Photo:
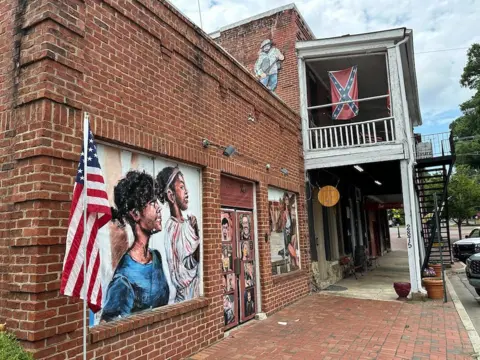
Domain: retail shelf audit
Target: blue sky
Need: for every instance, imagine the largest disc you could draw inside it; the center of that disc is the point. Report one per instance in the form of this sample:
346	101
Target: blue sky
437	25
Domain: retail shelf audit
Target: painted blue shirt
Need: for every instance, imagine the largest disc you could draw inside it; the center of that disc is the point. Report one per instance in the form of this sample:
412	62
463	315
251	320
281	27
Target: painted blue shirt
135	287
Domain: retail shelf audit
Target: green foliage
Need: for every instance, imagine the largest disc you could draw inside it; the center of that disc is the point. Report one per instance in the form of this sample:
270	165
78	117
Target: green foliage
10	349
465	192
398	215
471	72
467	125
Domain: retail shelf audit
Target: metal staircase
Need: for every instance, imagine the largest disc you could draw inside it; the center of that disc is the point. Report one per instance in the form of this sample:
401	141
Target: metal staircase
429	181
435	159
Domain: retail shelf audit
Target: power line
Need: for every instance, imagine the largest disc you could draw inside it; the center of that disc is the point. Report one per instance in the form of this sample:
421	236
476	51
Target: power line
440	50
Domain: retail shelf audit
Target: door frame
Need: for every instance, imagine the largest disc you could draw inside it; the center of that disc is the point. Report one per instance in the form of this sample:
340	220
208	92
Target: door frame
258	288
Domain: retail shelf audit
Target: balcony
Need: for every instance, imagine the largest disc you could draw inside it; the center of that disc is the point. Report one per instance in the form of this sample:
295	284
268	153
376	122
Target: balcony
434	148
356	134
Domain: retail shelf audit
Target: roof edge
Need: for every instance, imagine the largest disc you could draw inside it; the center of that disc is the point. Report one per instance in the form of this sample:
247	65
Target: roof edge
271	12
345	40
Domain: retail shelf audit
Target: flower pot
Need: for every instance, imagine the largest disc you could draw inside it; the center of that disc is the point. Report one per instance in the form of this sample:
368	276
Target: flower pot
434	287
402	289
437	268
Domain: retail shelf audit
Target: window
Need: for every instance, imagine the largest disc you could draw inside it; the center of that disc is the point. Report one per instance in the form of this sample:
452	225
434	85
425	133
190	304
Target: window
475	233
284	239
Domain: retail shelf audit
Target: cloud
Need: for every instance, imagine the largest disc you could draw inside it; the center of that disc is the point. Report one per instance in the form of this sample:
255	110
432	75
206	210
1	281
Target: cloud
436	24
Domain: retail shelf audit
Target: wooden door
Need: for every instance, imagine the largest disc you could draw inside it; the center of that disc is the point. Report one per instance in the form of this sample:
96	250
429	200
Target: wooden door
246	254
231	309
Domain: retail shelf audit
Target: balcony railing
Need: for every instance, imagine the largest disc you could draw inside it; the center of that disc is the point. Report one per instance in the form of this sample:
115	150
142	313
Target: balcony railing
356	134
434	145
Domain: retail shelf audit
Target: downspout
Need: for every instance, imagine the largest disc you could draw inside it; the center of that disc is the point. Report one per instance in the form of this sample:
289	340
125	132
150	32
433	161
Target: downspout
411	155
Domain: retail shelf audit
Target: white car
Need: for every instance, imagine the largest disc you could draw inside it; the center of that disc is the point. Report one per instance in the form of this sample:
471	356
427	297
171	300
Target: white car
465	248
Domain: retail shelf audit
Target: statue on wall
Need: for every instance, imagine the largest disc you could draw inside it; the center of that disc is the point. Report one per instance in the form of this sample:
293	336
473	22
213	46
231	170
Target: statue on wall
268	63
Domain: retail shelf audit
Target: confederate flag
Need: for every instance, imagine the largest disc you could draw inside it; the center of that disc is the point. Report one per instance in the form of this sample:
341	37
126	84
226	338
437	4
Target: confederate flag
344	87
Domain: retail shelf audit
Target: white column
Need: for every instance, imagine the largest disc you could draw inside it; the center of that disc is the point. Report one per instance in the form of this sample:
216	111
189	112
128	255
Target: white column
302	77
408	192
396	104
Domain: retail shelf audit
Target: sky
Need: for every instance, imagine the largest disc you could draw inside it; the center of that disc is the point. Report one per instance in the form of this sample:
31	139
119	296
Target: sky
437	25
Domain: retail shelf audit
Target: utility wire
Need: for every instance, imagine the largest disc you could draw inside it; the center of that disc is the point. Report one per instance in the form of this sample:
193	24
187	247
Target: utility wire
440	50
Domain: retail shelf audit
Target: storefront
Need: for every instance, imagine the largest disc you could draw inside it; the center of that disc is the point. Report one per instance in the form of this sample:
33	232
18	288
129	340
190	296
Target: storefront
209	227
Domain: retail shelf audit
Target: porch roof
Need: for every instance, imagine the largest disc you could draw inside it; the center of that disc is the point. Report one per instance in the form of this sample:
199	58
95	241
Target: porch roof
368	43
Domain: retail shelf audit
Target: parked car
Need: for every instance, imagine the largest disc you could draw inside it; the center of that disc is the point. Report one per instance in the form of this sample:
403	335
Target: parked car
473	271
465	248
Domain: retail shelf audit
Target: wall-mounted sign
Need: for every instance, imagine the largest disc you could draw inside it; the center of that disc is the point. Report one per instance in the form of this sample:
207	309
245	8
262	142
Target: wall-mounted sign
328	196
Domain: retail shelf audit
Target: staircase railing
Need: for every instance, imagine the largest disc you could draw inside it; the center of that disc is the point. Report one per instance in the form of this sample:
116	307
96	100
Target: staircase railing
443	204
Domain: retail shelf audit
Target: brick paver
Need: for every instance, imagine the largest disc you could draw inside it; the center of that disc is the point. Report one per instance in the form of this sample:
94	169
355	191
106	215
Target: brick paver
331	327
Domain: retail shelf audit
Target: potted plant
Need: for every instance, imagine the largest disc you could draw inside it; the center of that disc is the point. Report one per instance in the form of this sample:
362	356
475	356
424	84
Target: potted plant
437	266
433	283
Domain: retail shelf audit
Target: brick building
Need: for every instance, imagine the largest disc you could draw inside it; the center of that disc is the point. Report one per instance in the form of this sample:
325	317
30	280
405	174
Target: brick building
284	26
160	93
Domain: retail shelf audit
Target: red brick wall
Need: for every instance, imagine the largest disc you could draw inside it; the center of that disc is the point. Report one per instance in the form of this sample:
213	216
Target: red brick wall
284	29
152	82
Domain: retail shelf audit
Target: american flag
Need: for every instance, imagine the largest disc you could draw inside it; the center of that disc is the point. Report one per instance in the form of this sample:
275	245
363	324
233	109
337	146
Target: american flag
98	214
343	85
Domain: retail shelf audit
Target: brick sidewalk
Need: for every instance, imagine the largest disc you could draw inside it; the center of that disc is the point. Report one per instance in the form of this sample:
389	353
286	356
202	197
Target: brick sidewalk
331	327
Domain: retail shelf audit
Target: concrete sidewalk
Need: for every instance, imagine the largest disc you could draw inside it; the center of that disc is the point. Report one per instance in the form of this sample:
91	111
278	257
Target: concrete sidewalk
332	327
377	282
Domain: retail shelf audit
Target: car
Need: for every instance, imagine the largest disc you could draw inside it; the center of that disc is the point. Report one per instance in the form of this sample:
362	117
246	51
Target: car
465	248
473	271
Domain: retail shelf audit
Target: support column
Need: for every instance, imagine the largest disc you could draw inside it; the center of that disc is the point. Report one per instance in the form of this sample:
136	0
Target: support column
408	192
352	225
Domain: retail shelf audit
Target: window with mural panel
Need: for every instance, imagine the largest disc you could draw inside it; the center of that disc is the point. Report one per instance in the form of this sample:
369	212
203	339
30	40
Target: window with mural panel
284	238
151	250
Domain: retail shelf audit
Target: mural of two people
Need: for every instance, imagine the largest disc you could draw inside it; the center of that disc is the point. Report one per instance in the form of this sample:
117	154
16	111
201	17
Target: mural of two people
149	270
267	65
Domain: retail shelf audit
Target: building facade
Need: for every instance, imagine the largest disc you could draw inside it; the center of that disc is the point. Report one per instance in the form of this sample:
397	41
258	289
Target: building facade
180	127
367	154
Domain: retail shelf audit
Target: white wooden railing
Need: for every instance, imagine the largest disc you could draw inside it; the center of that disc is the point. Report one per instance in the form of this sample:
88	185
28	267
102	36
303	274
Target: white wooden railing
362	133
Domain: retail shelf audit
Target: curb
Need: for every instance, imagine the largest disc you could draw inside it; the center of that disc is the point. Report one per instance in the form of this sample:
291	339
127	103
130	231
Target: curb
467	322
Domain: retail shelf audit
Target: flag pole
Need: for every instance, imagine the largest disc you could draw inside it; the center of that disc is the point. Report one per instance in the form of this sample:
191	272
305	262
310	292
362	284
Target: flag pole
85	186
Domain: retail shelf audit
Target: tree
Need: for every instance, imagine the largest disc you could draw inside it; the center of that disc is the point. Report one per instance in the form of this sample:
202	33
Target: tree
465	196
468	125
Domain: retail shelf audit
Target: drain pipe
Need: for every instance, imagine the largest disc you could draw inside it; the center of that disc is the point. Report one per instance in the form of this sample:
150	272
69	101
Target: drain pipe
411	156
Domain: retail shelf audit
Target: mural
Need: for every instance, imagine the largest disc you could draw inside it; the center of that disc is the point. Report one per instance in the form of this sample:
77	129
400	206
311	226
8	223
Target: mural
284	246
268	63
228	309
249	303
150	251
227	257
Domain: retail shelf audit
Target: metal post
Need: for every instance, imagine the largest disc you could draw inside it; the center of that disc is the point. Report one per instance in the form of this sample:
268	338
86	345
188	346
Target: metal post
439	238
398	230
85	204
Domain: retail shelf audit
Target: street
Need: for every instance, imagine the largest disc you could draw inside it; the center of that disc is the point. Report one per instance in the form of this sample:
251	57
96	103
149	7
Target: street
467	296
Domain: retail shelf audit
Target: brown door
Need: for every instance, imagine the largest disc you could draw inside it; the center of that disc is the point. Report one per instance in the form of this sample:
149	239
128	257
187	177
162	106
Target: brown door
238	267
229	258
246	254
